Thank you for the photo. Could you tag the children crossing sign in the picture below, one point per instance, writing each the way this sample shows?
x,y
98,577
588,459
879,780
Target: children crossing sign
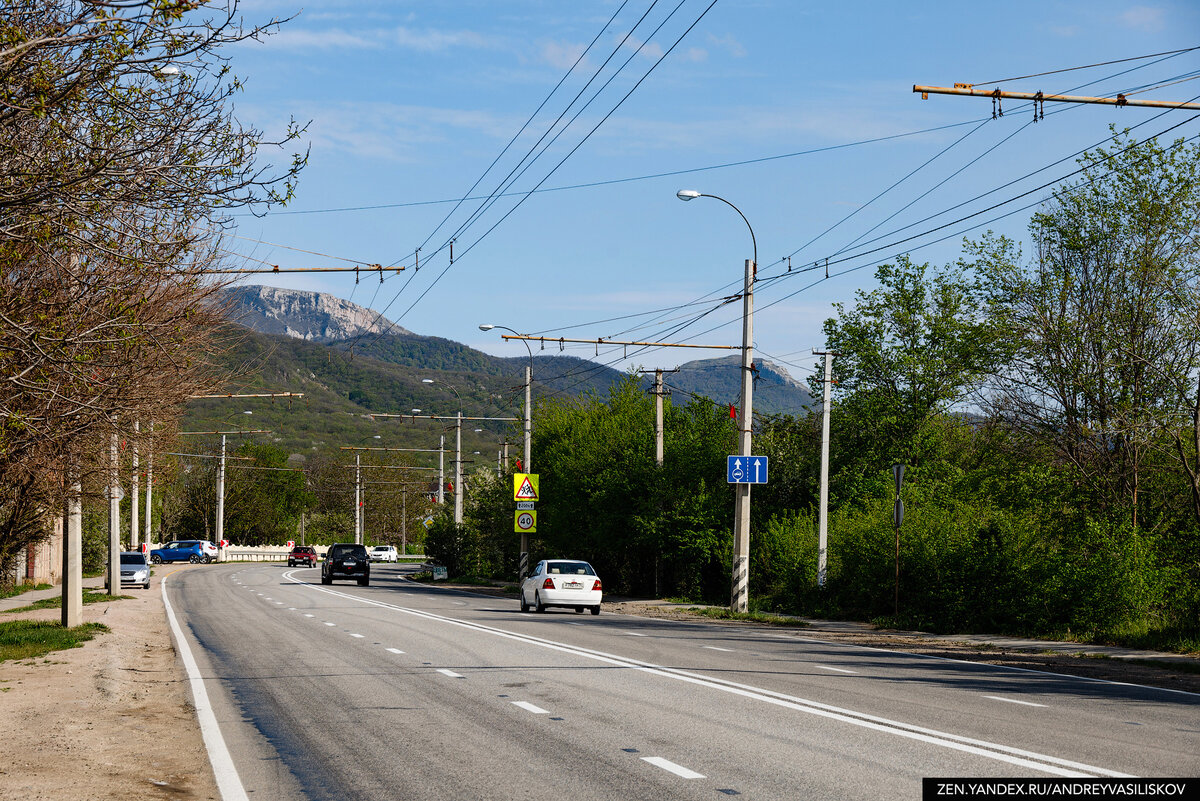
x,y
525,486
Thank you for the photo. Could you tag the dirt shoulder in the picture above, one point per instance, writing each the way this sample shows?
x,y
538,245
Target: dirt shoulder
x,y
112,719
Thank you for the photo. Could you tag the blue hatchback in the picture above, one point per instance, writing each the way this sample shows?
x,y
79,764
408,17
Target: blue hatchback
x,y
182,551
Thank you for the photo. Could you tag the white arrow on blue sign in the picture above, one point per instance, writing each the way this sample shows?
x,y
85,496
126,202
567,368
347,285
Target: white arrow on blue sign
x,y
746,469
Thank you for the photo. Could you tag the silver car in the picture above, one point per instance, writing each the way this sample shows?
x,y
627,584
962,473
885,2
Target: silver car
x,y
135,569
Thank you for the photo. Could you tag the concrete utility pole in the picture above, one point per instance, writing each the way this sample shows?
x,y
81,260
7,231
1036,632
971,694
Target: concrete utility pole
x,y
441,493
72,567
220,523
823,518
658,394
149,484
358,499
403,522
133,490
458,488
113,580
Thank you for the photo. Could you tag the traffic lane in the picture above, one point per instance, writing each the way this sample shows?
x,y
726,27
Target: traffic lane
x,y
1151,731
634,698
353,718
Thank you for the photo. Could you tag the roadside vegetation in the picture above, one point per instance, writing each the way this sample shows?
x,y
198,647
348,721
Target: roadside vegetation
x,y
89,597
30,639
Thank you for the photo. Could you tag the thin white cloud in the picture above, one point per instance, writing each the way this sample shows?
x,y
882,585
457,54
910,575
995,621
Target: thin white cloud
x,y
561,55
425,41
729,44
1144,18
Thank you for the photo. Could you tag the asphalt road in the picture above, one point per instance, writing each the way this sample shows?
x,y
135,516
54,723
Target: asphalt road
x,y
398,690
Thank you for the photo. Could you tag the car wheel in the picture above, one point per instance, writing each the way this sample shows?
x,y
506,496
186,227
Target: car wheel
x,y
195,560
524,605
537,603
579,610
596,609
326,580
363,582
157,560
146,586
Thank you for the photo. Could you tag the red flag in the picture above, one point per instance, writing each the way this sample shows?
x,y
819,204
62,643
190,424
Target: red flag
x,y
732,412
518,465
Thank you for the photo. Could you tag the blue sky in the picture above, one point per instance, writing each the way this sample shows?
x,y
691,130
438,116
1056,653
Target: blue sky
x,y
409,103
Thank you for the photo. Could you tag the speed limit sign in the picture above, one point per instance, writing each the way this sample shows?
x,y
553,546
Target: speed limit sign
x,y
525,522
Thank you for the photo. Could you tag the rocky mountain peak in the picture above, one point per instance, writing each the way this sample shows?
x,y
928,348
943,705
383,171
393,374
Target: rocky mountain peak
x,y
311,316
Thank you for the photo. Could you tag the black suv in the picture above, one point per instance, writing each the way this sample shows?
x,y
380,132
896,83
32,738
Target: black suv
x,y
346,560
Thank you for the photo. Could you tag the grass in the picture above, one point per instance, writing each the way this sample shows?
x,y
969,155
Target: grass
x,y
720,613
28,639
19,589
89,597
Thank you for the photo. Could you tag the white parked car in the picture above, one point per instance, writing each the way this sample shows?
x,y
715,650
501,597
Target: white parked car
x,y
384,553
569,583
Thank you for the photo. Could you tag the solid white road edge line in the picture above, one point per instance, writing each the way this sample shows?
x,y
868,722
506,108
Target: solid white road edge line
x,y
1013,701
678,770
229,784
1014,756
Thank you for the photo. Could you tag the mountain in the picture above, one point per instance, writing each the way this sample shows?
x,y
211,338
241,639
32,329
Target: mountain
x,y
312,316
775,391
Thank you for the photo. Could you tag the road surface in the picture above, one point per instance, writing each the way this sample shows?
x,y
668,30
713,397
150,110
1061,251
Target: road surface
x,y
399,690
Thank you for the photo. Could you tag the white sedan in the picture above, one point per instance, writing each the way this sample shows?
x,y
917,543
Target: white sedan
x,y
569,583
384,553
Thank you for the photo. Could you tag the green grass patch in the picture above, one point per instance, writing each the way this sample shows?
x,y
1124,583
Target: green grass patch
x,y
511,589
19,589
29,639
721,613
89,597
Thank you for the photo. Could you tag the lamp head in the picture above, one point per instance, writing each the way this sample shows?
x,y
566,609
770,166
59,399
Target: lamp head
x,y
687,194
486,326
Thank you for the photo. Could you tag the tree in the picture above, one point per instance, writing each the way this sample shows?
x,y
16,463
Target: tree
x,y
1108,317
910,349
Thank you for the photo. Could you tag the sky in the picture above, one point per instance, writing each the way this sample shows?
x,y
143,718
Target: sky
x,y
771,105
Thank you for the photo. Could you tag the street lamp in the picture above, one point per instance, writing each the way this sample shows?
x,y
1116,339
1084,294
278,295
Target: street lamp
x,y
741,509
526,465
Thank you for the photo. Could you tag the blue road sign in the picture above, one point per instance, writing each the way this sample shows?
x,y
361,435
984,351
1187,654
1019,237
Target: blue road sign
x,y
746,469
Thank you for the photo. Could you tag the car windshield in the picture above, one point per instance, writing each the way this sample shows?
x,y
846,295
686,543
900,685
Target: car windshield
x,y
342,551
133,559
577,568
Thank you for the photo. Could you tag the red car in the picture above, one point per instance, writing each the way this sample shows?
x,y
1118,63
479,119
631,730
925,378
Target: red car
x,y
303,555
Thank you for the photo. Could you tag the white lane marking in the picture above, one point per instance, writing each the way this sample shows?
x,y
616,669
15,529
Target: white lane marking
x,y
630,633
359,636
1003,753
715,648
291,609
528,707
330,624
450,673
1013,701
839,670
394,650
308,615
228,782
279,603
678,770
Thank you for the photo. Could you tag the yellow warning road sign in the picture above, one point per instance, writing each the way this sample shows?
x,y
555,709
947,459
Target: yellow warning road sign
x,y
525,522
525,486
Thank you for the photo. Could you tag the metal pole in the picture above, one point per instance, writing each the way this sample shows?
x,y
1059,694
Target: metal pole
x,y
358,499
220,527
526,465
823,524
441,493
113,580
739,601
458,488
403,523
149,485
134,528
72,586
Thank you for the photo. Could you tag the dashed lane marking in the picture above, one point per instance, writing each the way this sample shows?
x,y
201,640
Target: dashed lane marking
x,y
671,767
836,670
394,651
528,707
359,636
715,648
450,673
1013,701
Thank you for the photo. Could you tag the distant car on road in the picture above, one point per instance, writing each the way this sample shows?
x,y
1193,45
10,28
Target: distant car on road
x,y
194,551
384,553
569,583
135,569
346,560
303,555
